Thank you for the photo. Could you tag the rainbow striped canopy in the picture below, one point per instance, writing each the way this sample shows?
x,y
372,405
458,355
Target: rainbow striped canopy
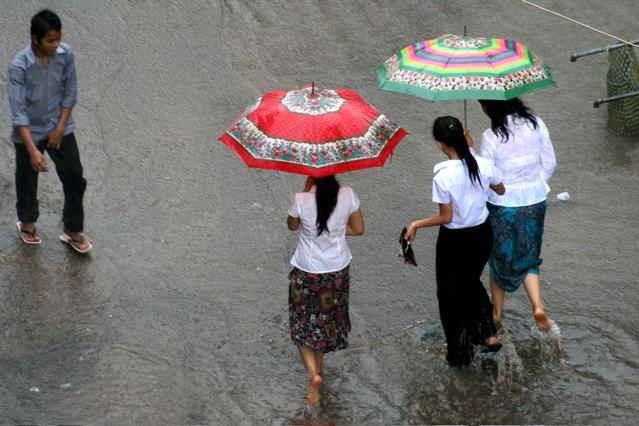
x,y
458,67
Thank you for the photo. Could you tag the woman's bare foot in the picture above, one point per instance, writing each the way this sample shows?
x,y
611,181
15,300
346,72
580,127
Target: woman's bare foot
x,y
490,341
543,323
492,344
313,396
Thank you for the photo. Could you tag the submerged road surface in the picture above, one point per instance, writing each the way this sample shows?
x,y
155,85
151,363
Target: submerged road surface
x,y
180,314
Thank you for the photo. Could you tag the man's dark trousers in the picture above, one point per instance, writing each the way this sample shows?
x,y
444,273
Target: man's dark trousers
x,y
69,169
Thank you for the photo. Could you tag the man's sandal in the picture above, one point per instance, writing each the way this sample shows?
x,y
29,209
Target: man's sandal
x,y
35,238
76,244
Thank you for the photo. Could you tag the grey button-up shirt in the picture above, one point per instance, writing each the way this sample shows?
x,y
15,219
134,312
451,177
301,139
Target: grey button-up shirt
x,y
37,93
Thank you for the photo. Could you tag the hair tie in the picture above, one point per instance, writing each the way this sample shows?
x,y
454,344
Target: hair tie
x,y
450,126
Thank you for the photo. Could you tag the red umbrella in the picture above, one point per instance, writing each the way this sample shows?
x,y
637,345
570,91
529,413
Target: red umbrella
x,y
312,132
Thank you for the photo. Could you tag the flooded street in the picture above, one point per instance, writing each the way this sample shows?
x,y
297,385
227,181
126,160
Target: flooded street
x,y
179,315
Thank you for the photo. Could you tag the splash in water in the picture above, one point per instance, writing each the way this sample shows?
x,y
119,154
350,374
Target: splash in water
x,y
510,370
549,341
311,410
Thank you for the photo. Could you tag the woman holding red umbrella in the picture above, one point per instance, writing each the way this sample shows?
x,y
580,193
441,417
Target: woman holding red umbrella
x,y
318,133
324,214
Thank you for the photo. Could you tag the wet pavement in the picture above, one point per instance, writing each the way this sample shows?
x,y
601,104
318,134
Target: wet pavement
x,y
179,315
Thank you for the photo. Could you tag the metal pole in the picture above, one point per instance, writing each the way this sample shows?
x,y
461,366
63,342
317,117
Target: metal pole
x,y
614,98
578,55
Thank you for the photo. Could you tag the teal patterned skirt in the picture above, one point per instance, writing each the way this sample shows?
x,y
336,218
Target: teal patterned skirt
x,y
517,237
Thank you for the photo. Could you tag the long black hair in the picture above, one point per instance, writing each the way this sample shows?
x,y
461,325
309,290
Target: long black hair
x,y
327,189
449,131
497,111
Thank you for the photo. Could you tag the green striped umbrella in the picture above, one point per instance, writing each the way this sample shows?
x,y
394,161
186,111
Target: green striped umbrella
x,y
459,67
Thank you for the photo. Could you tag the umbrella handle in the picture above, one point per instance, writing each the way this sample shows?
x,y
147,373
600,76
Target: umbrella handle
x,y
465,114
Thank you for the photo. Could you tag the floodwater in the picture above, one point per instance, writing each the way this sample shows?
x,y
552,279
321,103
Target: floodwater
x,y
179,315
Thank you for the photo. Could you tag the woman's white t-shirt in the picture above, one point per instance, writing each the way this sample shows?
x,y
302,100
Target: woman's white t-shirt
x,y
526,161
451,184
327,252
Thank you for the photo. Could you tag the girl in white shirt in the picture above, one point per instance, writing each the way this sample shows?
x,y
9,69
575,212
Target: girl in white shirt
x,y
324,214
519,145
461,187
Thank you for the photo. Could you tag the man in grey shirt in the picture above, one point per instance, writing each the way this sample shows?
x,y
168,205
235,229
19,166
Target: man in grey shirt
x,y
42,93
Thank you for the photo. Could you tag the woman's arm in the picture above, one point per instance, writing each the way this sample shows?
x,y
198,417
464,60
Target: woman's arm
x,y
293,223
445,216
309,183
499,189
355,224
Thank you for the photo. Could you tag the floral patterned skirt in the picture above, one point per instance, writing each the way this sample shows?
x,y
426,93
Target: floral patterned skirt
x,y
517,236
318,309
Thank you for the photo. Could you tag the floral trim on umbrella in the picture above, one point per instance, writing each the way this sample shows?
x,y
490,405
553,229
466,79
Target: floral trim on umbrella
x,y
320,102
262,147
504,83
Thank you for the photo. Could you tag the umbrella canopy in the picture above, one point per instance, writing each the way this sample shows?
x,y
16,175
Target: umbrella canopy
x,y
312,132
458,67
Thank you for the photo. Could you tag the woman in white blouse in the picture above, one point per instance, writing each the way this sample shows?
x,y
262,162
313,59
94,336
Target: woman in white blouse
x,y
324,214
461,187
519,145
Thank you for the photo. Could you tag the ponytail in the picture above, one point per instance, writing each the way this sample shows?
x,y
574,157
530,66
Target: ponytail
x,y
449,131
327,189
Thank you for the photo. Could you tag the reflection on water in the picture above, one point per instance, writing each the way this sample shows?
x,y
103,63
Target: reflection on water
x,y
506,366
431,392
405,378
179,315
71,341
312,415
46,324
